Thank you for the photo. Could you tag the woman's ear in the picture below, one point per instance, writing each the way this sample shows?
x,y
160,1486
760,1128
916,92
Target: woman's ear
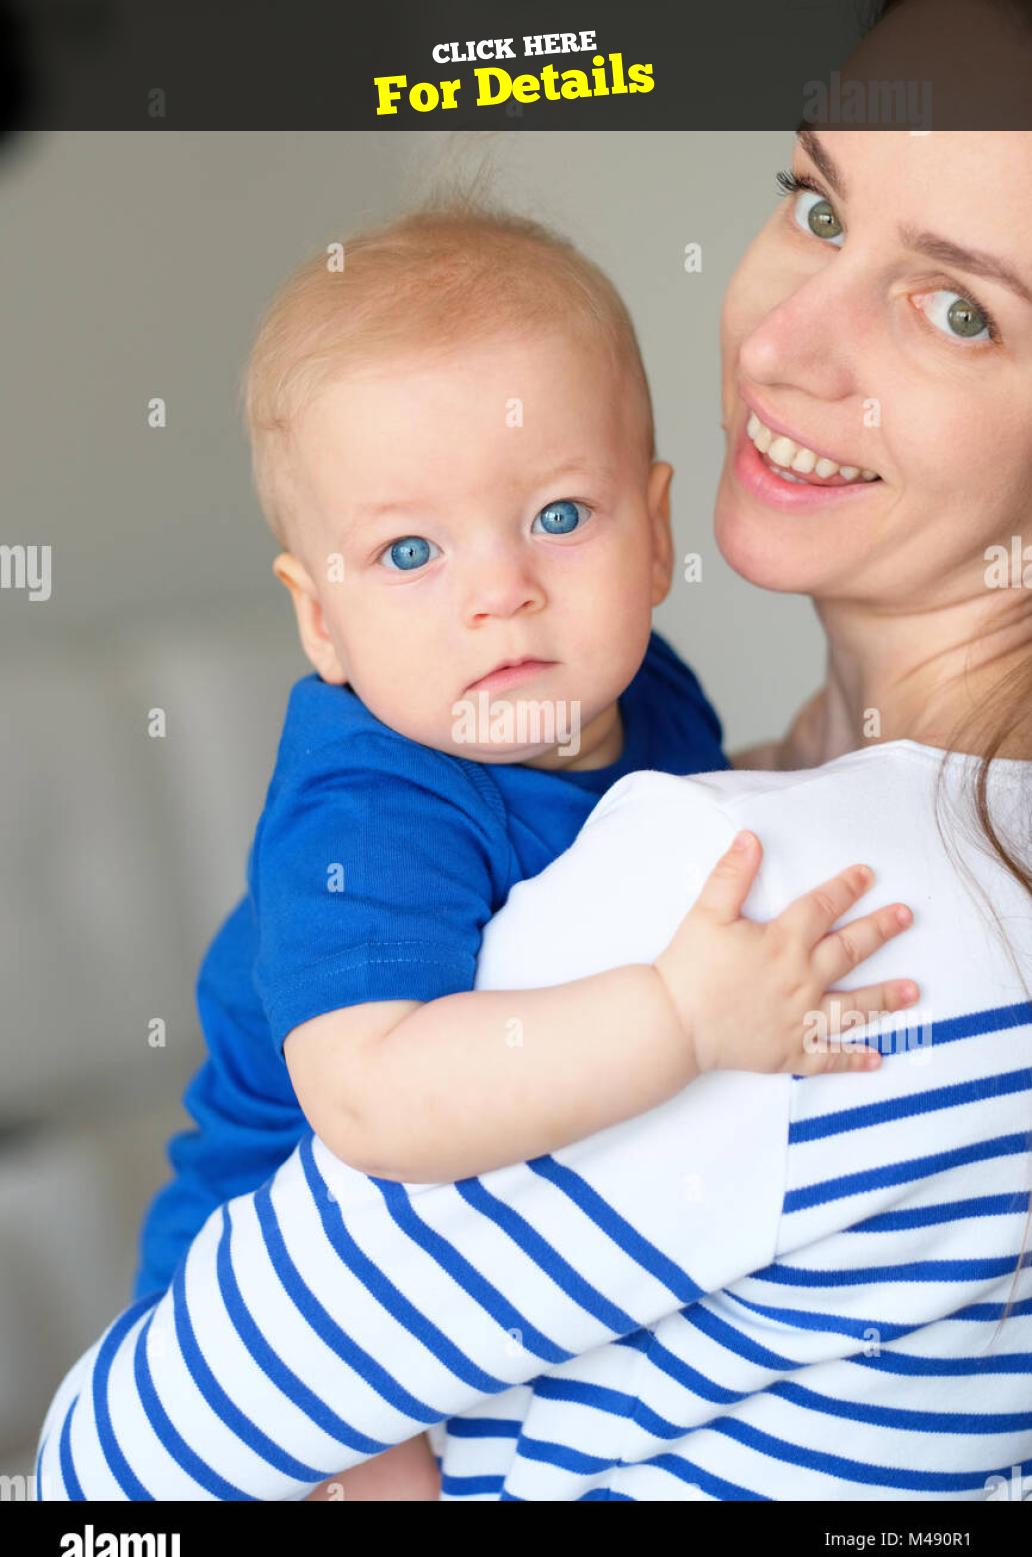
x,y
311,624
660,477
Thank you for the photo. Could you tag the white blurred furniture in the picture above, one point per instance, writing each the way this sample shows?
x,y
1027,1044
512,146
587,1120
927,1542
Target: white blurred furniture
x,y
120,855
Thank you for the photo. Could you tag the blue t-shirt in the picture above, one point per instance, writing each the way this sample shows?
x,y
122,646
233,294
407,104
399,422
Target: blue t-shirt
x,y
375,865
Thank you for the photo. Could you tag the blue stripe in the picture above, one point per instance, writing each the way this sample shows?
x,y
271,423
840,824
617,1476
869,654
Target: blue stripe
x,y
905,1039
613,1402
834,1324
68,1472
618,1403
604,1495
876,1329
640,1341
957,1095
471,1486
285,1380
623,1234
483,1427
695,1476
799,1395
973,1024
904,1172
383,1290
538,1249
171,1440
491,1300
119,1466
913,1270
946,1367
326,1327
690,1378
39,1471
560,1454
977,1023
907,1420
870,1328
852,1470
734,1341
945,1211
986,1311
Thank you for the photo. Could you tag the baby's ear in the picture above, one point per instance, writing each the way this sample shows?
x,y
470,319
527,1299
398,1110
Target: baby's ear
x,y
311,624
660,477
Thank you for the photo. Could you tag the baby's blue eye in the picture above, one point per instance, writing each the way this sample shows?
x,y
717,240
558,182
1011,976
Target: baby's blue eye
x,y
412,551
560,518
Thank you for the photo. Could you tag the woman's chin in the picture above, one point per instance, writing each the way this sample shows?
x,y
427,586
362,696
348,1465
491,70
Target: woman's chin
x,y
773,551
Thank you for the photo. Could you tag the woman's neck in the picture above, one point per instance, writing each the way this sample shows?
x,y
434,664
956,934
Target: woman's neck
x,y
931,676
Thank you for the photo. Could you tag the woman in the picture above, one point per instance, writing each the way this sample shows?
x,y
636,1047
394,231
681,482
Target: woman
x,y
769,1287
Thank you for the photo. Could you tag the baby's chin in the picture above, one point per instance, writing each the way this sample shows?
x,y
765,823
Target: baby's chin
x,y
451,742
500,754
497,752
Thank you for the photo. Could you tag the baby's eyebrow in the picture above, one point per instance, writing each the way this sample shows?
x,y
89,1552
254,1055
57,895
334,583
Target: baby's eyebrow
x,y
574,467
366,513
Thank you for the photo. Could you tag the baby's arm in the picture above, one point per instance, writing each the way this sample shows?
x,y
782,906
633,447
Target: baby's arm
x,y
441,1090
405,1473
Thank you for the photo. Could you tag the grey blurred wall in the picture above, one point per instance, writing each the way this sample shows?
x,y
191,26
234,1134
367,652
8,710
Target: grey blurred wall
x,y
135,266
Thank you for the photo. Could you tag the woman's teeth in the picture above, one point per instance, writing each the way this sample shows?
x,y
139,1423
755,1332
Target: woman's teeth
x,y
784,455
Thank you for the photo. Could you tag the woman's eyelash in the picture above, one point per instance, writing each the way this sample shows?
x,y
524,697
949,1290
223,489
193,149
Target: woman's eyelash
x,y
790,183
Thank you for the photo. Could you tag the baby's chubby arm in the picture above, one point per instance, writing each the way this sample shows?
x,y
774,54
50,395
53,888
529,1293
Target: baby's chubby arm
x,y
437,1091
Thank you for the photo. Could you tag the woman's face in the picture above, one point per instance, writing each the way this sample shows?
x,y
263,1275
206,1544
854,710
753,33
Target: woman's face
x,y
882,319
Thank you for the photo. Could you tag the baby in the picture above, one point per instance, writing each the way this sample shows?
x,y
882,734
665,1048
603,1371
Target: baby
x,y
453,442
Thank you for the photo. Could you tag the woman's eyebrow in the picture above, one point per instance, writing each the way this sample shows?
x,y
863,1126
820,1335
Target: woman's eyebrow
x,y
818,154
975,261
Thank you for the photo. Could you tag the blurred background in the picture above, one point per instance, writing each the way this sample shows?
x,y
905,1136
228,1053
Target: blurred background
x,y
135,266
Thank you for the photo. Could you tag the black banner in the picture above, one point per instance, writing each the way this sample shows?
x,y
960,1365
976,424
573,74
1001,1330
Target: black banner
x,y
546,65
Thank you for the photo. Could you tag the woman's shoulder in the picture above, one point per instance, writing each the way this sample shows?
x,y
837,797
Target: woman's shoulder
x,y
866,773
906,809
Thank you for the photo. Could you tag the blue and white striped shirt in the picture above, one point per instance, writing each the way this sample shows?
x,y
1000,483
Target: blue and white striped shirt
x,y
767,1288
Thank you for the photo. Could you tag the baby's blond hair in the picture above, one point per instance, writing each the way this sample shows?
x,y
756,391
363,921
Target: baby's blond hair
x,y
457,269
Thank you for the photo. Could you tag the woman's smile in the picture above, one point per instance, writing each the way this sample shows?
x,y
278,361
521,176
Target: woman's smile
x,y
784,449
793,492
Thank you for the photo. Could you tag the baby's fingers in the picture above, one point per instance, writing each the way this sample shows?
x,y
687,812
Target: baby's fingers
x,y
833,1062
843,950
813,914
836,1046
727,885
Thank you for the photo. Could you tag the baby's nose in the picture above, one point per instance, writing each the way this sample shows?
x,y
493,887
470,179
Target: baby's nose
x,y
502,591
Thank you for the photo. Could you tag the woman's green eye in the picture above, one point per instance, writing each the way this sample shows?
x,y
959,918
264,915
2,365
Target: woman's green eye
x,y
954,315
819,215
965,318
811,211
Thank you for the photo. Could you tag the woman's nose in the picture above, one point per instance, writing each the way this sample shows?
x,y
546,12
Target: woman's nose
x,y
810,339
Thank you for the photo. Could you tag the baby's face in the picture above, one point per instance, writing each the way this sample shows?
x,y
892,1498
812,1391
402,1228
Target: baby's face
x,y
495,504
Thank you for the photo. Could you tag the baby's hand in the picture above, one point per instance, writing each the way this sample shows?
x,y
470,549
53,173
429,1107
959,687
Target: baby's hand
x,y
758,996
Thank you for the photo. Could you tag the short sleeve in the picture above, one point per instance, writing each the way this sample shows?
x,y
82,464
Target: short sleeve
x,y
374,869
